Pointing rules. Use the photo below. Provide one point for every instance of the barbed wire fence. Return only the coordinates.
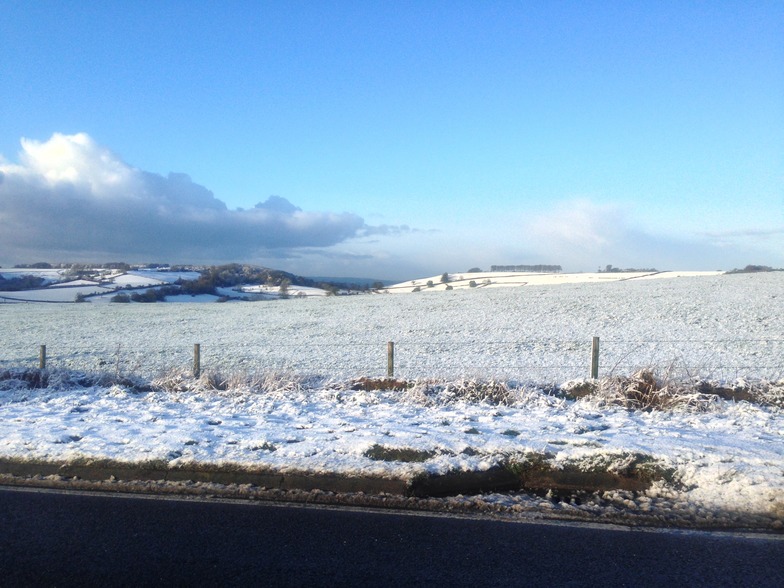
(539, 361)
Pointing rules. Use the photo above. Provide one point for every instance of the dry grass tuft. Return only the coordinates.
(173, 381)
(475, 391)
(491, 392)
(216, 381)
(430, 392)
(59, 379)
(644, 391)
(23, 378)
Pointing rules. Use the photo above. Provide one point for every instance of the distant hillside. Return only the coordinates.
(121, 282)
(369, 282)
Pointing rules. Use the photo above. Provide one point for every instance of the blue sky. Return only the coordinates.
(397, 139)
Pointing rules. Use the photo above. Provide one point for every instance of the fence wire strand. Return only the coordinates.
(535, 359)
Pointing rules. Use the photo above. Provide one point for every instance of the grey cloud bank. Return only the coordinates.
(68, 196)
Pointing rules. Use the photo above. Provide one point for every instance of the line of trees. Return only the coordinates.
(753, 269)
(20, 283)
(609, 269)
(542, 268)
(234, 274)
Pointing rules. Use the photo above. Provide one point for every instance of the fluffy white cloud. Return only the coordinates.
(71, 198)
(578, 223)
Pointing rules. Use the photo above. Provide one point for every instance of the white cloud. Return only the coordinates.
(582, 235)
(70, 198)
(578, 223)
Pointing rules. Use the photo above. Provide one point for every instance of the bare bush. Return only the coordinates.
(644, 391)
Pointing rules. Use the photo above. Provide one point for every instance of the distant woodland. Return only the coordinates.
(554, 269)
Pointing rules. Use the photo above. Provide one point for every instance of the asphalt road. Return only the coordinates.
(78, 539)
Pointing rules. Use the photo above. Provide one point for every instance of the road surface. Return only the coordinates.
(50, 538)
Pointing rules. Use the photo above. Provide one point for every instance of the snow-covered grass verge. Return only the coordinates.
(713, 460)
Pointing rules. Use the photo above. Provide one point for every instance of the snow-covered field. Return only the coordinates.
(723, 326)
(139, 281)
(285, 400)
(506, 279)
(58, 289)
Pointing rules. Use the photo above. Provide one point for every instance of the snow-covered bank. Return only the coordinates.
(726, 458)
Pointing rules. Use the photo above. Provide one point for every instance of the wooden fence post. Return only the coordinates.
(595, 358)
(390, 359)
(196, 360)
(42, 357)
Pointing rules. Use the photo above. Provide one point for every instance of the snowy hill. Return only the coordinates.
(510, 279)
(111, 285)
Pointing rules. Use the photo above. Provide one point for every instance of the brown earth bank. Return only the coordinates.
(531, 472)
(529, 492)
